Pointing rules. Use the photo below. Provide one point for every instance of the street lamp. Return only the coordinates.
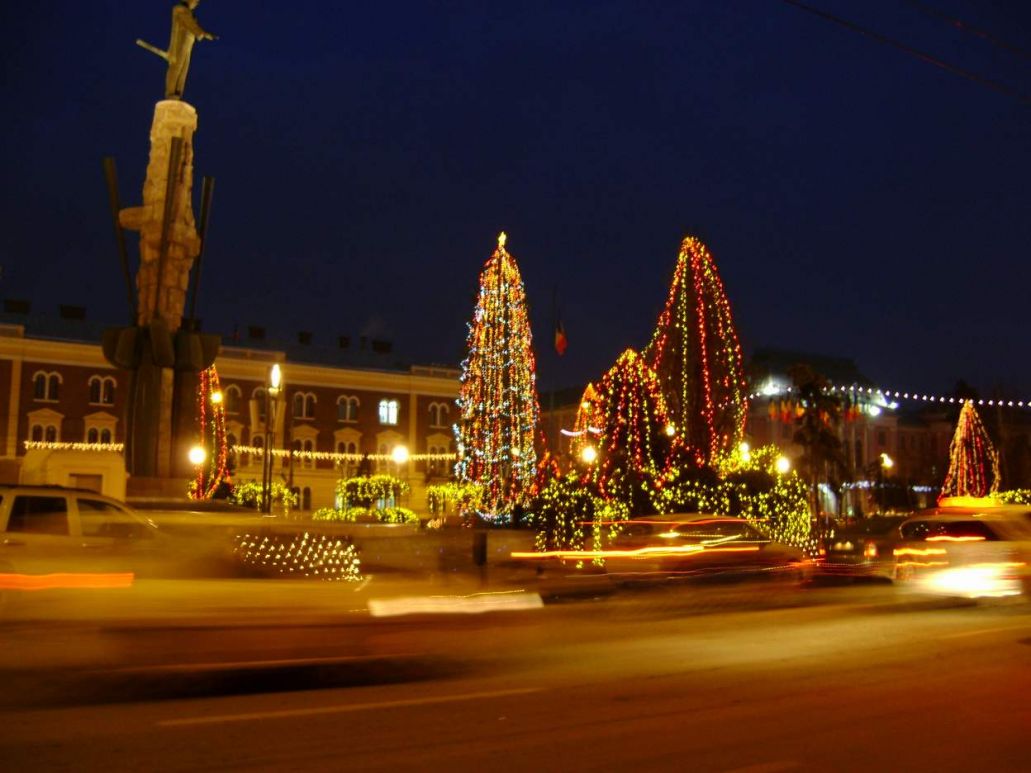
(783, 464)
(399, 454)
(197, 456)
(588, 454)
(273, 389)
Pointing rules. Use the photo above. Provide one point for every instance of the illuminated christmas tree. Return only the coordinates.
(637, 434)
(213, 469)
(973, 462)
(498, 406)
(697, 357)
(583, 444)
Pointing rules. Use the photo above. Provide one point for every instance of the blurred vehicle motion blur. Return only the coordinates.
(51, 530)
(968, 548)
(700, 547)
(863, 549)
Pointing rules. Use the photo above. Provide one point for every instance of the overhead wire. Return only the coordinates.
(922, 55)
(969, 28)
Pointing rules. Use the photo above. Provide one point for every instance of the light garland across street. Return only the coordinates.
(897, 395)
(336, 457)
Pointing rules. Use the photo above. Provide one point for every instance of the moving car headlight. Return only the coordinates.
(976, 581)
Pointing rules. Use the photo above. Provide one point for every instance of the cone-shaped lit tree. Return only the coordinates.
(697, 357)
(213, 469)
(587, 428)
(498, 406)
(973, 462)
(637, 434)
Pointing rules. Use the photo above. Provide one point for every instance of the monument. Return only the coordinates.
(162, 355)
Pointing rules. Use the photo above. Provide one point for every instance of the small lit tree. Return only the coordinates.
(973, 461)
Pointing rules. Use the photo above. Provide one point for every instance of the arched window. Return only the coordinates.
(50, 434)
(347, 408)
(388, 412)
(439, 414)
(304, 405)
(101, 390)
(92, 435)
(46, 386)
(309, 446)
(37, 433)
(232, 399)
(230, 440)
(105, 436)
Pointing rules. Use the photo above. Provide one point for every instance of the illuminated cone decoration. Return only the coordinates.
(696, 354)
(589, 423)
(634, 419)
(498, 405)
(211, 420)
(973, 462)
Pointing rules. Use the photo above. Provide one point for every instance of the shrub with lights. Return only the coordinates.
(459, 498)
(369, 498)
(249, 495)
(571, 515)
(498, 407)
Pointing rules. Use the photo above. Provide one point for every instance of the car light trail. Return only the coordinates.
(64, 580)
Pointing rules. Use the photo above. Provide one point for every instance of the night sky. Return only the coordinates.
(859, 202)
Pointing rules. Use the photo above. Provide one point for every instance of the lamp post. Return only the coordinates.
(882, 471)
(273, 389)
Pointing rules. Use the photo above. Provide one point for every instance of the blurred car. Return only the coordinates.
(863, 549)
(969, 548)
(89, 538)
(699, 547)
(50, 530)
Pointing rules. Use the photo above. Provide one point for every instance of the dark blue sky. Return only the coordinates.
(858, 201)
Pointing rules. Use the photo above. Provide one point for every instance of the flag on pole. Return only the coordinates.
(560, 338)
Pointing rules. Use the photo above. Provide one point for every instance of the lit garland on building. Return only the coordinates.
(697, 356)
(211, 421)
(497, 403)
(637, 432)
(973, 462)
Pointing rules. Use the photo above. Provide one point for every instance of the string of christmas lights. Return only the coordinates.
(211, 421)
(894, 394)
(696, 353)
(332, 456)
(40, 445)
(498, 406)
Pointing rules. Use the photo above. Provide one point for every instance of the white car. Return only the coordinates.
(971, 548)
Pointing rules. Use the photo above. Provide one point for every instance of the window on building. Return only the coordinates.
(304, 405)
(105, 436)
(36, 435)
(306, 498)
(387, 412)
(92, 435)
(882, 438)
(232, 397)
(50, 434)
(101, 390)
(439, 414)
(46, 387)
(347, 408)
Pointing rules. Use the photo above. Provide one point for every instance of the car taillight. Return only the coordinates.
(870, 551)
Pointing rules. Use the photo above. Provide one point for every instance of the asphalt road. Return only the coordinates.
(634, 683)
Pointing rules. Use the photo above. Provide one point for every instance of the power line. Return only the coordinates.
(969, 28)
(987, 82)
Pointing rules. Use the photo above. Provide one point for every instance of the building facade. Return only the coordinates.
(61, 391)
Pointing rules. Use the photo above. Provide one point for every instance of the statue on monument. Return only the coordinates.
(186, 30)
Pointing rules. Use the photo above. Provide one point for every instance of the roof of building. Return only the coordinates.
(358, 352)
(838, 370)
